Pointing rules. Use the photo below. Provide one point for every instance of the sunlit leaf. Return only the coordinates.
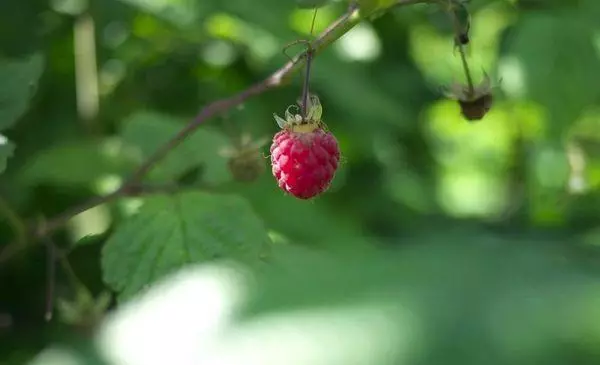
(170, 232)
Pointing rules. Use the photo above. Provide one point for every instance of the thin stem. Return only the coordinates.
(76, 283)
(50, 279)
(312, 24)
(306, 84)
(51, 225)
(465, 65)
(309, 59)
(208, 112)
(333, 32)
(461, 51)
(53, 257)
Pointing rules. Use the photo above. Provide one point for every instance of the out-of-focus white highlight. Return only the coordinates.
(189, 319)
(56, 356)
(72, 7)
(577, 179)
(513, 79)
(91, 222)
(218, 53)
(131, 206)
(3, 140)
(174, 319)
(181, 12)
(366, 334)
(470, 193)
(108, 184)
(359, 44)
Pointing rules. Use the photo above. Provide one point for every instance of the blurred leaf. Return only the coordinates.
(311, 3)
(172, 231)
(372, 7)
(560, 65)
(182, 13)
(19, 82)
(148, 131)
(72, 163)
(482, 296)
(7, 149)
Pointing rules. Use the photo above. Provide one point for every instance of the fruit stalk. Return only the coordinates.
(306, 85)
(461, 51)
(309, 58)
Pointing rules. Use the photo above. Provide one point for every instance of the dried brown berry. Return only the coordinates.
(476, 109)
(474, 102)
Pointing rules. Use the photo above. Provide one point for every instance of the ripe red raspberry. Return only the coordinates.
(304, 155)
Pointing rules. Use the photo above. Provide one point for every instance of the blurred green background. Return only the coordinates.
(118, 77)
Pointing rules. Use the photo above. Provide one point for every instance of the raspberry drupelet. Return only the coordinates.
(304, 154)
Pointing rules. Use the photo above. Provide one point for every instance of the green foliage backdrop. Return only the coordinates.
(460, 219)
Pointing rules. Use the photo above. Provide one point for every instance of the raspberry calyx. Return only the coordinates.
(304, 154)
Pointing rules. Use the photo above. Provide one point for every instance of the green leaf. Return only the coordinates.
(6, 150)
(560, 67)
(170, 232)
(73, 163)
(19, 81)
(147, 131)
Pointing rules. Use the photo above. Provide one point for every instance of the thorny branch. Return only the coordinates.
(278, 78)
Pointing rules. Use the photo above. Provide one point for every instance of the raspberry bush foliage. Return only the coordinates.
(433, 176)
